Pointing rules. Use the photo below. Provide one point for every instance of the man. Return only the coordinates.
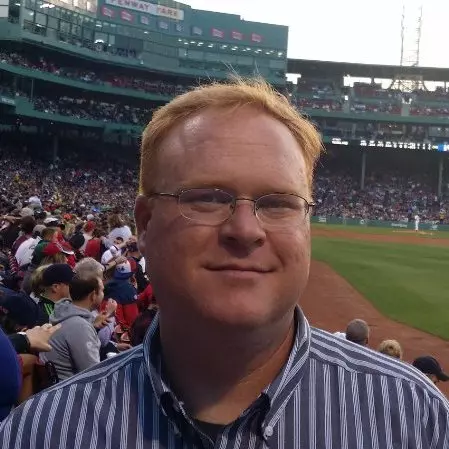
(25, 251)
(357, 331)
(122, 289)
(132, 251)
(88, 230)
(417, 219)
(431, 368)
(55, 280)
(76, 346)
(113, 252)
(27, 225)
(230, 361)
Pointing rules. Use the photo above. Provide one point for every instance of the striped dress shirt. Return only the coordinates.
(330, 394)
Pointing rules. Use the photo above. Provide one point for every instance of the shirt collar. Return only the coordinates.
(275, 395)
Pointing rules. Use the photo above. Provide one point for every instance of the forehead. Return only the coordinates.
(245, 148)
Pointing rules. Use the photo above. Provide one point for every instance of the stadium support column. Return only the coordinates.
(362, 174)
(440, 175)
(55, 147)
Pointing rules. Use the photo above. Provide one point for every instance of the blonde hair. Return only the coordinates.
(55, 258)
(235, 94)
(89, 267)
(36, 280)
(391, 348)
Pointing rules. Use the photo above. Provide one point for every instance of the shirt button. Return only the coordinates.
(268, 432)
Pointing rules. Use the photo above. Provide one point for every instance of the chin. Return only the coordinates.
(241, 309)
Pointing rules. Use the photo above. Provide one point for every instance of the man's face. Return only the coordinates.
(98, 295)
(249, 154)
(61, 290)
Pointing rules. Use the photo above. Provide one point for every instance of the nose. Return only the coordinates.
(243, 231)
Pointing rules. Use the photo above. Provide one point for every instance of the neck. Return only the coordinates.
(231, 367)
(84, 304)
(50, 297)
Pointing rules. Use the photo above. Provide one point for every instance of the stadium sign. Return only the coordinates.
(7, 100)
(398, 144)
(149, 8)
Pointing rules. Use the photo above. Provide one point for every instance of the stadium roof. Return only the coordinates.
(324, 69)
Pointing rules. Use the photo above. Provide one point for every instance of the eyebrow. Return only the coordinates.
(225, 187)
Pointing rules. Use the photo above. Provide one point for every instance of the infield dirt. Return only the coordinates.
(330, 302)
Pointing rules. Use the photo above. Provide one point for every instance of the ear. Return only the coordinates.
(142, 215)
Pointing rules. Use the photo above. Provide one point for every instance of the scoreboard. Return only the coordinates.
(395, 144)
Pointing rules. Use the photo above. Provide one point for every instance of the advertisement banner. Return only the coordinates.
(197, 31)
(163, 25)
(236, 35)
(107, 12)
(149, 8)
(125, 15)
(217, 33)
(256, 37)
(144, 20)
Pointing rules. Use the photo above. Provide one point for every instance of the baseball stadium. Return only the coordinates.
(80, 79)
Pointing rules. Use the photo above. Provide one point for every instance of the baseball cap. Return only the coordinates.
(89, 226)
(90, 217)
(53, 248)
(51, 221)
(26, 212)
(58, 273)
(18, 306)
(37, 230)
(429, 365)
(126, 269)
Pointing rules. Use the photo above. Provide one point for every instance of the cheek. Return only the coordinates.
(176, 244)
(294, 250)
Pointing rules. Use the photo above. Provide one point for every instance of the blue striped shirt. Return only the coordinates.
(330, 394)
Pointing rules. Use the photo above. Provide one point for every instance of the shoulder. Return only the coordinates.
(70, 399)
(359, 361)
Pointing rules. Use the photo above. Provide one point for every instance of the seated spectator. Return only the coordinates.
(122, 288)
(25, 251)
(55, 281)
(113, 252)
(19, 308)
(88, 230)
(132, 251)
(391, 348)
(76, 345)
(96, 247)
(27, 225)
(358, 332)
(118, 228)
(431, 368)
(10, 376)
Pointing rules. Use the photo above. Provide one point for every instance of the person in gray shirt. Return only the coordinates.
(76, 345)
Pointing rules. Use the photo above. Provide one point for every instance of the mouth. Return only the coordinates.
(240, 271)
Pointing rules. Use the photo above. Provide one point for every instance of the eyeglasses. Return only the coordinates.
(215, 206)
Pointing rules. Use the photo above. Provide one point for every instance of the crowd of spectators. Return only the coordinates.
(97, 187)
(387, 196)
(101, 186)
(148, 85)
(93, 110)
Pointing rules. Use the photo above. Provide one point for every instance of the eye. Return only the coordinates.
(206, 196)
(280, 202)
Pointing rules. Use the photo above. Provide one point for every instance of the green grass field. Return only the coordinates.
(408, 283)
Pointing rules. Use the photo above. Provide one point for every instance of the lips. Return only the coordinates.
(240, 268)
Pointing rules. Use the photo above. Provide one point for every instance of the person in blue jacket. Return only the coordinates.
(10, 376)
